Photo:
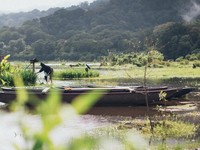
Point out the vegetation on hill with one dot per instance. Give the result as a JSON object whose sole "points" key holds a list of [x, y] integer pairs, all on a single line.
{"points": [[89, 31], [17, 19]]}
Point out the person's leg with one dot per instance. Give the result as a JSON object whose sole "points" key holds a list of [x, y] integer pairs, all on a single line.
{"points": [[45, 77], [50, 77]]}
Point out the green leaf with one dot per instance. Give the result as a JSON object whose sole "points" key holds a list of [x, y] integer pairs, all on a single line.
{"points": [[85, 101]]}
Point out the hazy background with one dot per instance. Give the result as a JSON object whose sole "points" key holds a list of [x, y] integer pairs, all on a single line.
{"points": [[28, 5]]}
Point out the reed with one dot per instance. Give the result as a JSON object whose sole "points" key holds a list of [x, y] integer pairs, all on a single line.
{"points": [[28, 77], [75, 73]]}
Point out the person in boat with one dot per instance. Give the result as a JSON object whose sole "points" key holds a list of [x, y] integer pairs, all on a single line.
{"points": [[48, 72]]}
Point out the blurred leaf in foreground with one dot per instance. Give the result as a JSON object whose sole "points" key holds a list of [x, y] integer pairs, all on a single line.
{"points": [[85, 101], [21, 93]]}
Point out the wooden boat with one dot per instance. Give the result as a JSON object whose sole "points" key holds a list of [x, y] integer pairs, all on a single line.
{"points": [[116, 96]]}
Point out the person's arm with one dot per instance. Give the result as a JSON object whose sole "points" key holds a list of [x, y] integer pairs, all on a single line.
{"points": [[40, 70]]}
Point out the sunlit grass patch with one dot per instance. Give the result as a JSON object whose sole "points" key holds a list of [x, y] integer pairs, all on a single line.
{"points": [[181, 145], [162, 129], [176, 129], [153, 73]]}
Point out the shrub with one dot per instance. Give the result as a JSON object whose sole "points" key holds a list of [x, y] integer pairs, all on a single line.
{"points": [[28, 77], [179, 59], [8, 72], [184, 62], [197, 63]]}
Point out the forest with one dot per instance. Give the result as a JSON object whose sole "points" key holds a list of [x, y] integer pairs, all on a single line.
{"points": [[92, 30]]}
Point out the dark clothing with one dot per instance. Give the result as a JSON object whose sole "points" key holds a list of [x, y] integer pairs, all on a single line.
{"points": [[47, 70]]}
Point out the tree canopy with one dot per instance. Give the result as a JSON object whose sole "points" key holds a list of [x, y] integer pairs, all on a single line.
{"points": [[89, 31]]}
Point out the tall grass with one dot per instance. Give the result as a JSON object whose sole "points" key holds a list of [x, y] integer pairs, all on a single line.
{"points": [[28, 77], [75, 73]]}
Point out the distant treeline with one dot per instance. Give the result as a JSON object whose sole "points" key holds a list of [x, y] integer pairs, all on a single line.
{"points": [[89, 31]]}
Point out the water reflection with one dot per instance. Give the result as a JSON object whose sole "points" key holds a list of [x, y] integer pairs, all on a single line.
{"points": [[11, 132]]}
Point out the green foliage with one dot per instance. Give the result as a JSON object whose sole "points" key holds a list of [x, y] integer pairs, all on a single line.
{"points": [[182, 146], [75, 73], [28, 77], [80, 143], [169, 129], [84, 102], [17, 19], [22, 95], [8, 73], [153, 58], [76, 34], [184, 62], [193, 57], [7, 79], [180, 59], [49, 111], [5, 71], [197, 63]]}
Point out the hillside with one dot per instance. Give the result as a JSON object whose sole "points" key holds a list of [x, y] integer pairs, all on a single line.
{"points": [[89, 31], [17, 19]]}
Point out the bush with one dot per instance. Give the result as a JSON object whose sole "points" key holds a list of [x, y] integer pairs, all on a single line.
{"points": [[184, 62], [138, 59], [28, 77], [7, 79], [8, 72], [179, 59], [197, 63], [191, 57]]}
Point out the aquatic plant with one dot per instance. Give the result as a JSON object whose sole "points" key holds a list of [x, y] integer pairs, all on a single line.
{"points": [[28, 77], [75, 73]]}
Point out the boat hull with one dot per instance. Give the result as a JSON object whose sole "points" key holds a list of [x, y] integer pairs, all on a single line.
{"points": [[109, 97]]}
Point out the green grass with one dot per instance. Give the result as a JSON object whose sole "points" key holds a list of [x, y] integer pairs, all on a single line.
{"points": [[75, 73], [186, 145], [174, 70], [29, 78], [162, 129]]}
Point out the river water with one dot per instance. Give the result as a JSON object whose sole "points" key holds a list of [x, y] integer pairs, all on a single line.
{"points": [[10, 126]]}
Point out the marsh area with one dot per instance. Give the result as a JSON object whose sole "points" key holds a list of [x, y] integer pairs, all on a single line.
{"points": [[112, 121]]}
